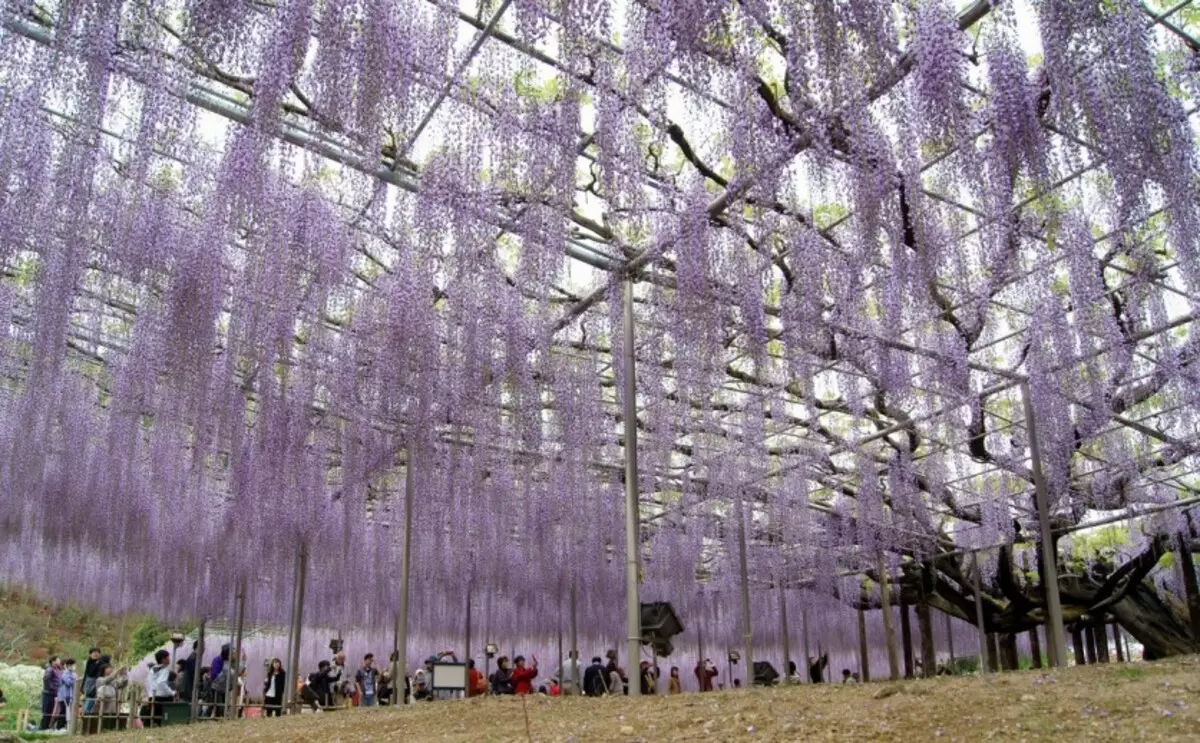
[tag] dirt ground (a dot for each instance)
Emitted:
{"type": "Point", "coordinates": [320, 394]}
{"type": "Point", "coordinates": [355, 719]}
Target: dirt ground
{"type": "Point", "coordinates": [1115, 702]}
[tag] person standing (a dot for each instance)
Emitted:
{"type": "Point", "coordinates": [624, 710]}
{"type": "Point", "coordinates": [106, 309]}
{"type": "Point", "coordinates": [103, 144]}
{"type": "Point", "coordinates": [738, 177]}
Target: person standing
{"type": "Point", "coordinates": [502, 677]}
{"type": "Point", "coordinates": [570, 674]}
{"type": "Point", "coordinates": [705, 673]}
{"type": "Point", "coordinates": [65, 698]}
{"type": "Point", "coordinates": [51, 678]}
{"type": "Point", "coordinates": [522, 676]}
{"type": "Point", "coordinates": [187, 677]}
{"type": "Point", "coordinates": [674, 684]}
{"type": "Point", "coordinates": [274, 689]}
{"type": "Point", "coordinates": [594, 684]}
{"type": "Point", "coordinates": [158, 686]}
{"type": "Point", "coordinates": [108, 688]}
{"type": "Point", "coordinates": [365, 681]}
{"type": "Point", "coordinates": [337, 679]}
{"type": "Point", "coordinates": [91, 674]}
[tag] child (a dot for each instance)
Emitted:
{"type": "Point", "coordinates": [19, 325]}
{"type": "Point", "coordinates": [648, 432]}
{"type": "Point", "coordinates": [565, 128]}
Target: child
{"type": "Point", "coordinates": [66, 696]}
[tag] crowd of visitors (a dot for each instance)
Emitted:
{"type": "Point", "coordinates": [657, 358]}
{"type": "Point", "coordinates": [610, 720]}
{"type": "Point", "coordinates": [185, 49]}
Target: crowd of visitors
{"type": "Point", "coordinates": [220, 687]}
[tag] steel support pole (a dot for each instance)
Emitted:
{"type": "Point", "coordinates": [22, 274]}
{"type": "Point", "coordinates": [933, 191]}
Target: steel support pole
{"type": "Point", "coordinates": [885, 599]}
{"type": "Point", "coordinates": [196, 666]}
{"type": "Point", "coordinates": [864, 663]}
{"type": "Point", "coordinates": [633, 604]}
{"type": "Point", "coordinates": [807, 658]}
{"type": "Point", "coordinates": [236, 660]}
{"type": "Point", "coordinates": [291, 640]}
{"type": "Point", "coordinates": [575, 643]}
{"type": "Point", "coordinates": [466, 641]}
{"type": "Point", "coordinates": [400, 644]}
{"type": "Point", "coordinates": [1055, 644]}
{"type": "Point", "coordinates": [950, 638]}
{"type": "Point", "coordinates": [979, 624]}
{"type": "Point", "coordinates": [744, 571]}
{"type": "Point", "coordinates": [783, 629]}
{"type": "Point", "coordinates": [301, 584]}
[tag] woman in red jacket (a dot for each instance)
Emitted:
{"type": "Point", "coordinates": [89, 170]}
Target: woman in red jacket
{"type": "Point", "coordinates": [522, 677]}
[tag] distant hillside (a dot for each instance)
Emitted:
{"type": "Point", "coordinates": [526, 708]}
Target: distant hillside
{"type": "Point", "coordinates": [32, 630]}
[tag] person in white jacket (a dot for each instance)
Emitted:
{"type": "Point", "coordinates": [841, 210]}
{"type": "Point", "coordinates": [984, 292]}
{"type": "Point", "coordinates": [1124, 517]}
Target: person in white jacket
{"type": "Point", "coordinates": [158, 686]}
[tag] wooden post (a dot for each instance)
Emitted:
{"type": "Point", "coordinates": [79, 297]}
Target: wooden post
{"type": "Point", "coordinates": [1077, 644]}
{"type": "Point", "coordinates": [885, 601]}
{"type": "Point", "coordinates": [950, 638]}
{"type": "Point", "coordinates": [1187, 566]}
{"type": "Point", "coordinates": [864, 665]}
{"type": "Point", "coordinates": [1089, 645]}
{"type": "Point", "coordinates": [1010, 658]}
{"type": "Point", "coordinates": [1117, 639]}
{"type": "Point", "coordinates": [1035, 647]}
{"type": "Point", "coordinates": [993, 653]}
{"type": "Point", "coordinates": [925, 629]}
{"type": "Point", "coordinates": [979, 623]}
{"type": "Point", "coordinates": [1101, 634]}
{"type": "Point", "coordinates": [906, 639]}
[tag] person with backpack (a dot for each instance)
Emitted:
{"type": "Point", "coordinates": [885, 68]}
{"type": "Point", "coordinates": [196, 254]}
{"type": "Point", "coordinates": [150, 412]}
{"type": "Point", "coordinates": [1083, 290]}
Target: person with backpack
{"type": "Point", "coordinates": [593, 679]}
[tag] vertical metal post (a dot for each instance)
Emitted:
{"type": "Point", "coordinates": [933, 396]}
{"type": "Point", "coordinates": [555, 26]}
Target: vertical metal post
{"type": "Point", "coordinates": [743, 569]}
{"type": "Point", "coordinates": [885, 599]}
{"type": "Point", "coordinates": [236, 658]}
{"type": "Point", "coordinates": [864, 664]}
{"type": "Point", "coordinates": [575, 643]}
{"type": "Point", "coordinates": [979, 623]}
{"type": "Point", "coordinates": [291, 639]}
{"type": "Point", "coordinates": [561, 664]}
{"type": "Point", "coordinates": [294, 660]}
{"type": "Point", "coordinates": [906, 640]}
{"type": "Point", "coordinates": [783, 628]}
{"type": "Point", "coordinates": [400, 646]}
{"type": "Point", "coordinates": [1055, 645]}
{"type": "Point", "coordinates": [466, 641]}
{"type": "Point", "coordinates": [633, 605]}
{"type": "Point", "coordinates": [807, 657]}
{"type": "Point", "coordinates": [950, 638]}
{"type": "Point", "coordinates": [195, 700]}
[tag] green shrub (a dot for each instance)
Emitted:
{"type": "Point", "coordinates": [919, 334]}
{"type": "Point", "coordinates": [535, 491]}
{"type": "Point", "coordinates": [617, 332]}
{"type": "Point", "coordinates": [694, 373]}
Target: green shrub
{"type": "Point", "coordinates": [149, 636]}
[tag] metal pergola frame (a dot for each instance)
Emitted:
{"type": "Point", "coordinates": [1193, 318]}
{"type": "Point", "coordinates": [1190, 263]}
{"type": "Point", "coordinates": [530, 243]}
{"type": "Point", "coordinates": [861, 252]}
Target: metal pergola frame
{"type": "Point", "coordinates": [595, 245]}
